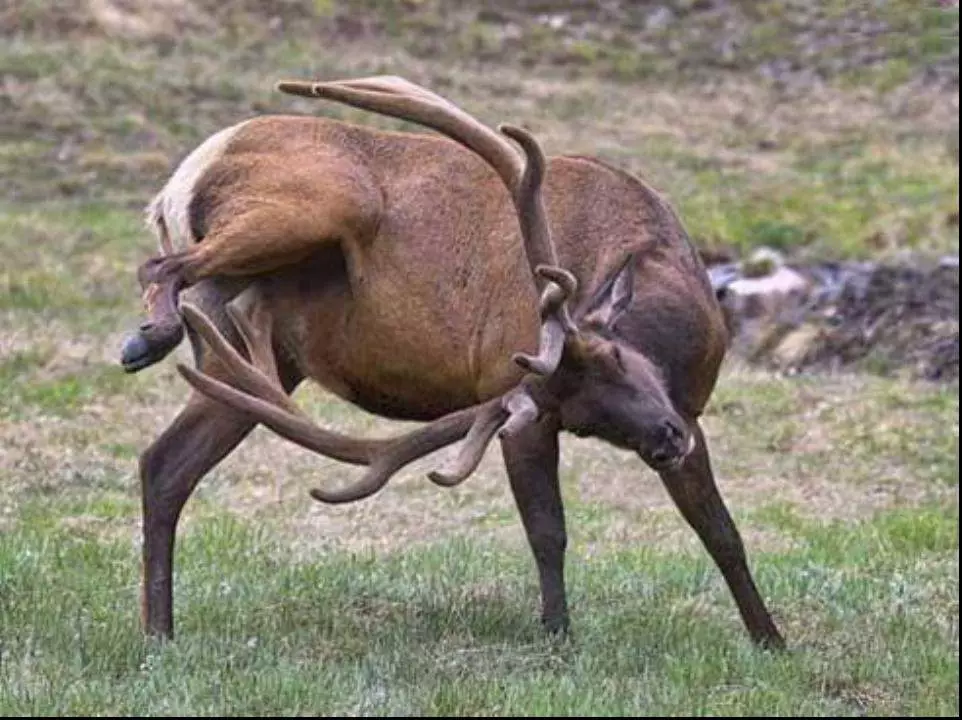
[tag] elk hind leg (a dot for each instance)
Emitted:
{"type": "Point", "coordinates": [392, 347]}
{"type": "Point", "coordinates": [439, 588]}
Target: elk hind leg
{"type": "Point", "coordinates": [270, 234]}
{"type": "Point", "coordinates": [197, 440]}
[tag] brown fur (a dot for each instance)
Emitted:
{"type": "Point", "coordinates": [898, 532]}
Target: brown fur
{"type": "Point", "coordinates": [437, 250]}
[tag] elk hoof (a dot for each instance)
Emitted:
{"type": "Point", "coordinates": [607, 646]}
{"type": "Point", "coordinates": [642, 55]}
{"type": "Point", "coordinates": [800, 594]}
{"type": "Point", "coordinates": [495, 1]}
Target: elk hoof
{"type": "Point", "coordinates": [557, 627]}
{"type": "Point", "coordinates": [772, 643]}
{"type": "Point", "coordinates": [151, 343]}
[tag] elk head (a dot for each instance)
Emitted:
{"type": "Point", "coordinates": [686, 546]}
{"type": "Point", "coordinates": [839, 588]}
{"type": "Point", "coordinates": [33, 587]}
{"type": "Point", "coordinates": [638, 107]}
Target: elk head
{"type": "Point", "coordinates": [605, 387]}
{"type": "Point", "coordinates": [597, 383]}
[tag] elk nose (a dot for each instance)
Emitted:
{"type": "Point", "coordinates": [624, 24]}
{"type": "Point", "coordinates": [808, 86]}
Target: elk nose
{"type": "Point", "coordinates": [670, 442]}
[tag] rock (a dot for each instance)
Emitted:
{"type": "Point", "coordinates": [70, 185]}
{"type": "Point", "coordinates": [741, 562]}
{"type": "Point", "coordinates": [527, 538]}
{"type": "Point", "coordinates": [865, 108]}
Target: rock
{"type": "Point", "coordinates": [660, 18]}
{"type": "Point", "coordinates": [798, 346]}
{"type": "Point", "coordinates": [722, 275]}
{"type": "Point", "coordinates": [771, 295]}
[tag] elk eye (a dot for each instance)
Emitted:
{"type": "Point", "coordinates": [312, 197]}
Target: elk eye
{"type": "Point", "coordinates": [617, 358]}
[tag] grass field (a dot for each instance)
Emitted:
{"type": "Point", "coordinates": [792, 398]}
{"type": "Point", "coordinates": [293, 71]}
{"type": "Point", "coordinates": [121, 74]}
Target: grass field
{"type": "Point", "coordinates": [423, 600]}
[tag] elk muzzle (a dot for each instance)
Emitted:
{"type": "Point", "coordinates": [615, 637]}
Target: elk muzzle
{"type": "Point", "coordinates": [668, 444]}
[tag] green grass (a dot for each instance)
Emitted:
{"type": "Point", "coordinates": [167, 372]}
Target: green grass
{"type": "Point", "coordinates": [67, 395]}
{"type": "Point", "coordinates": [871, 429]}
{"type": "Point", "coordinates": [449, 629]}
{"type": "Point", "coordinates": [878, 45]}
{"type": "Point", "coordinates": [862, 204]}
{"type": "Point", "coordinates": [70, 263]}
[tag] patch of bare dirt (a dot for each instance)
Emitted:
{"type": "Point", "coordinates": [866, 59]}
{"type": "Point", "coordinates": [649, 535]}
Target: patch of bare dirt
{"type": "Point", "coordinates": [157, 21]}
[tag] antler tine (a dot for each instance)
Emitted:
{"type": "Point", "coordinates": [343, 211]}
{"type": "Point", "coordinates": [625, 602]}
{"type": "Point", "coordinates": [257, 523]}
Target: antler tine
{"type": "Point", "coordinates": [506, 416]}
{"type": "Point", "coordinates": [557, 285]}
{"type": "Point", "coordinates": [556, 322]}
{"type": "Point", "coordinates": [560, 277]}
{"type": "Point", "coordinates": [522, 411]}
{"type": "Point", "coordinates": [538, 246]}
{"type": "Point", "coordinates": [408, 448]}
{"type": "Point", "coordinates": [258, 339]}
{"type": "Point", "coordinates": [293, 427]}
{"type": "Point", "coordinates": [254, 394]}
{"type": "Point", "coordinates": [246, 376]}
{"type": "Point", "coordinates": [489, 420]}
{"type": "Point", "coordinates": [550, 348]}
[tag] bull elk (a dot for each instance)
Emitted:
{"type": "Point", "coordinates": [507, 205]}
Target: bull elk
{"type": "Point", "coordinates": [394, 270]}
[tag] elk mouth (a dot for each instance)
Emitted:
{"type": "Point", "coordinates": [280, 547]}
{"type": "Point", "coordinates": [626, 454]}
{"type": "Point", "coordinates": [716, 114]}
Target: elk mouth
{"type": "Point", "coordinates": [665, 461]}
{"type": "Point", "coordinates": [669, 465]}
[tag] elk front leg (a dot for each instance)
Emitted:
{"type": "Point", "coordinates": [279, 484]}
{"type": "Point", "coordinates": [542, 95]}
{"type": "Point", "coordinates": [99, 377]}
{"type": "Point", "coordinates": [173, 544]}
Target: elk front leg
{"type": "Point", "coordinates": [531, 458]}
{"type": "Point", "coordinates": [693, 488]}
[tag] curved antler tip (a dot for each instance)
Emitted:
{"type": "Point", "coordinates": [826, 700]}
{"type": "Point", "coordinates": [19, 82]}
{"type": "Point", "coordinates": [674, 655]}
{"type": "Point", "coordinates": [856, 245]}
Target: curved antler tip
{"type": "Point", "coordinates": [513, 427]}
{"type": "Point", "coordinates": [531, 363]}
{"type": "Point", "coordinates": [444, 479]}
{"type": "Point", "coordinates": [516, 133]}
{"type": "Point", "coordinates": [325, 497]}
{"type": "Point", "coordinates": [516, 423]}
{"type": "Point", "coordinates": [297, 87]}
{"type": "Point", "coordinates": [556, 273]}
{"type": "Point", "coordinates": [524, 361]}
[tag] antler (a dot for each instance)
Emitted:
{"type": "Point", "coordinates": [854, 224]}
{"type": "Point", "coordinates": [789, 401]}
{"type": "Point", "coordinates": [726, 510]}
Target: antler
{"type": "Point", "coordinates": [257, 392]}
{"type": "Point", "coordinates": [402, 99]}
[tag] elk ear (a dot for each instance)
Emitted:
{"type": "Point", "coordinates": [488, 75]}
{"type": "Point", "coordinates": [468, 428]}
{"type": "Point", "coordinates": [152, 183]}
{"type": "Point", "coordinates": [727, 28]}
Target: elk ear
{"type": "Point", "coordinates": [614, 297]}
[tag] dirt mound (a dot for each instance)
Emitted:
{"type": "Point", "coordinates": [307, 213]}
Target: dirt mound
{"type": "Point", "coordinates": [896, 317]}
{"type": "Point", "coordinates": [883, 318]}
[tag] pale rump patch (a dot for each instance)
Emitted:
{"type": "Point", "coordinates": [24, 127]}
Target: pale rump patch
{"type": "Point", "coordinates": [170, 209]}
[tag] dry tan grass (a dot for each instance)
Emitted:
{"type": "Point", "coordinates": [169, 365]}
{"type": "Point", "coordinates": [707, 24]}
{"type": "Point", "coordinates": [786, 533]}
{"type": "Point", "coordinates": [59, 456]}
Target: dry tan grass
{"type": "Point", "coordinates": [612, 498]}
